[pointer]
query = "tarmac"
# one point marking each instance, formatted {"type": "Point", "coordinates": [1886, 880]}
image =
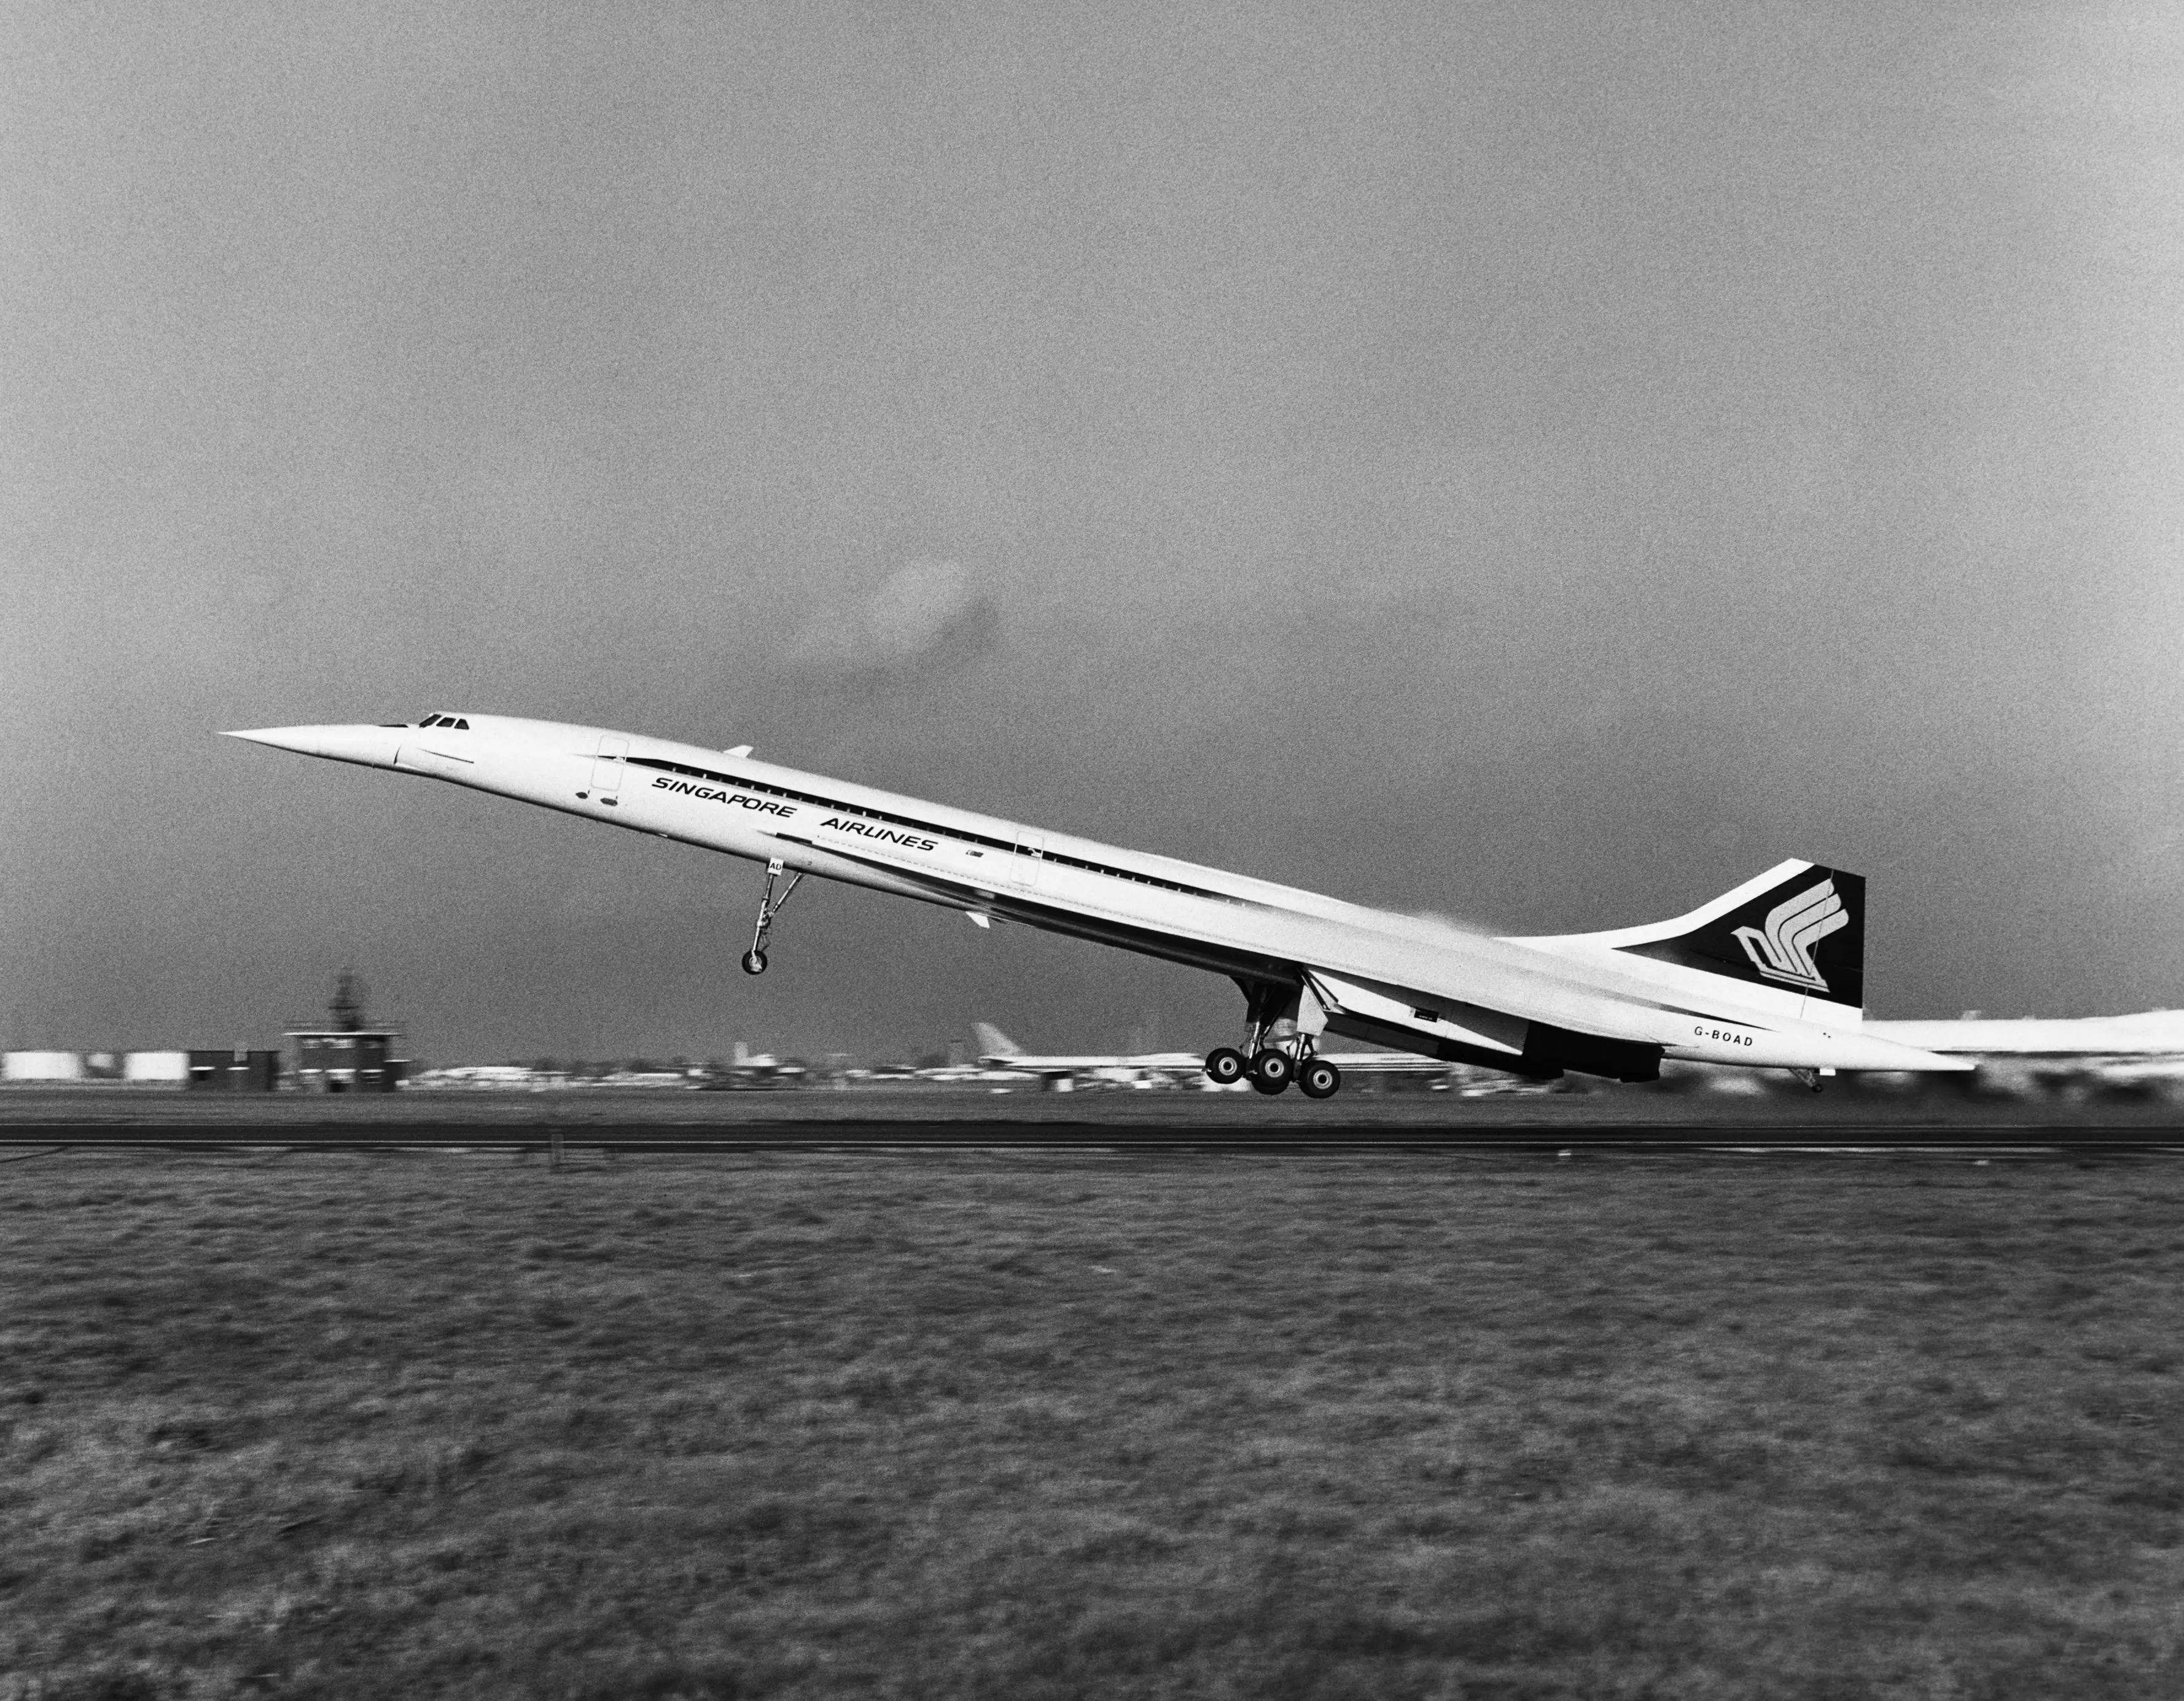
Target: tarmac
{"type": "Point", "coordinates": [640, 1119]}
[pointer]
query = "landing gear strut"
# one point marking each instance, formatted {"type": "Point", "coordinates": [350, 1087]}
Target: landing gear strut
{"type": "Point", "coordinates": [769, 906]}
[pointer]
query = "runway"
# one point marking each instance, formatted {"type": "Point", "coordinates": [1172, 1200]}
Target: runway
{"type": "Point", "coordinates": [925, 1137]}
{"type": "Point", "coordinates": [669, 1120]}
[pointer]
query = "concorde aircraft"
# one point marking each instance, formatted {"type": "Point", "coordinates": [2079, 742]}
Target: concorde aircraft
{"type": "Point", "coordinates": [1768, 974]}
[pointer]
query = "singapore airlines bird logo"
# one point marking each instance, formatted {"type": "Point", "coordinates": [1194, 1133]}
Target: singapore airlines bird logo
{"type": "Point", "coordinates": [1782, 950]}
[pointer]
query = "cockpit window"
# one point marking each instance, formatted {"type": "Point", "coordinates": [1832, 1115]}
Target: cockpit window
{"type": "Point", "coordinates": [462, 726]}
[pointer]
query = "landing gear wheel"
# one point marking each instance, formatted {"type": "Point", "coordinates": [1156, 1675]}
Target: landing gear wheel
{"type": "Point", "coordinates": [1225, 1065]}
{"type": "Point", "coordinates": [753, 962]}
{"type": "Point", "coordinates": [1319, 1079]}
{"type": "Point", "coordinates": [1271, 1071]}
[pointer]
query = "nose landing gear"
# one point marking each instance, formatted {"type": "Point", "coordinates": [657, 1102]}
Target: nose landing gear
{"type": "Point", "coordinates": [769, 906]}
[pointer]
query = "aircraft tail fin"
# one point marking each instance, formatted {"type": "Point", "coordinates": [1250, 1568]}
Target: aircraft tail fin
{"type": "Point", "coordinates": [1797, 928]}
{"type": "Point", "coordinates": [993, 1042]}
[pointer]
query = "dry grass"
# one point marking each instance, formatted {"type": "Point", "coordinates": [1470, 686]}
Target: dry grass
{"type": "Point", "coordinates": [972, 1427]}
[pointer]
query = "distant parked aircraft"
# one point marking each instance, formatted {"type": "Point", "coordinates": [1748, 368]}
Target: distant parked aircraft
{"type": "Point", "coordinates": [1769, 974]}
{"type": "Point", "coordinates": [996, 1050]}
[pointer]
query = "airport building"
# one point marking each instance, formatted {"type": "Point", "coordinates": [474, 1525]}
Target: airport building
{"type": "Point", "coordinates": [163, 1068]}
{"type": "Point", "coordinates": [42, 1065]}
{"type": "Point", "coordinates": [347, 1053]}
{"type": "Point", "coordinates": [346, 1059]}
{"type": "Point", "coordinates": [227, 1070]}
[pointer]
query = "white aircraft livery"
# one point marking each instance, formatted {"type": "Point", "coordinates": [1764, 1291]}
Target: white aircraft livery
{"type": "Point", "coordinates": [1769, 974]}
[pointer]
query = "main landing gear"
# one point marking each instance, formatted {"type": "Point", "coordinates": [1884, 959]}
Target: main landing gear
{"type": "Point", "coordinates": [1269, 1069]}
{"type": "Point", "coordinates": [1272, 1065]}
{"type": "Point", "coordinates": [769, 906]}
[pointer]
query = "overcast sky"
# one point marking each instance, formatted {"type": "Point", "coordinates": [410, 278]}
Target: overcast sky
{"type": "Point", "coordinates": [1540, 464]}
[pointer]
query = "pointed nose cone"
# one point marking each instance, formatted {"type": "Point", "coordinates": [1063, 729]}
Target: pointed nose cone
{"type": "Point", "coordinates": [373, 746]}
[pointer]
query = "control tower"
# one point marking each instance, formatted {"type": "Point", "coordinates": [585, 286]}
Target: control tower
{"type": "Point", "coordinates": [348, 1052]}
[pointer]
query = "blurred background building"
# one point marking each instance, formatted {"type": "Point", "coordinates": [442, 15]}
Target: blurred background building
{"type": "Point", "coordinates": [162, 1068]}
{"type": "Point", "coordinates": [42, 1065]}
{"type": "Point", "coordinates": [226, 1070]}
{"type": "Point", "coordinates": [348, 1052]}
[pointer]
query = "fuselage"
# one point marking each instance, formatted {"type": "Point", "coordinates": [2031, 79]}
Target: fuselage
{"type": "Point", "coordinates": [1389, 977]}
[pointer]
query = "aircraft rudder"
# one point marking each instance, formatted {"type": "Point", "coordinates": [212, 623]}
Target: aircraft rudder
{"type": "Point", "coordinates": [993, 1042]}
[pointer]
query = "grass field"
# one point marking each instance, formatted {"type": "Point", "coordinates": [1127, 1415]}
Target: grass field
{"type": "Point", "coordinates": [977, 1425]}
